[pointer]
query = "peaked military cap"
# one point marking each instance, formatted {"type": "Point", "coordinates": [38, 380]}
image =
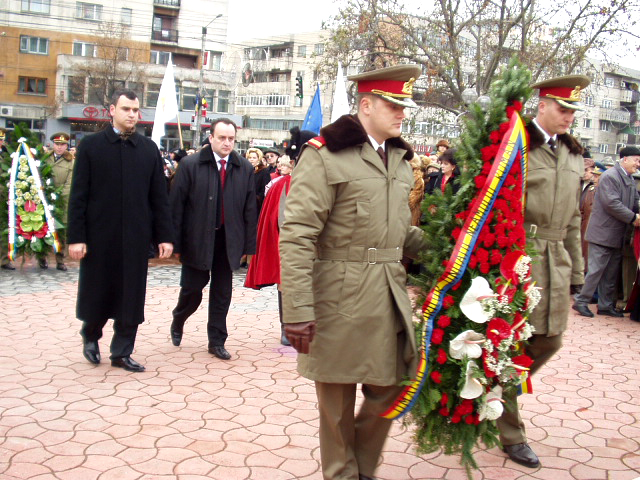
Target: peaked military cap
{"type": "Point", "coordinates": [565, 90]}
{"type": "Point", "coordinates": [60, 137]}
{"type": "Point", "coordinates": [394, 84]}
{"type": "Point", "coordinates": [3, 133]}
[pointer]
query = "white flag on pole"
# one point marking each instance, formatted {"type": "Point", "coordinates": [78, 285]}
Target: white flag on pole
{"type": "Point", "coordinates": [167, 106]}
{"type": "Point", "coordinates": [340, 100]}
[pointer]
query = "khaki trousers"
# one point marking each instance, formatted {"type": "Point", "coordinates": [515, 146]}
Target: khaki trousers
{"type": "Point", "coordinates": [541, 348]}
{"type": "Point", "coordinates": [350, 445]}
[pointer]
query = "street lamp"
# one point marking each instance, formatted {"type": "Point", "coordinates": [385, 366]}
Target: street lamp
{"type": "Point", "coordinates": [200, 95]}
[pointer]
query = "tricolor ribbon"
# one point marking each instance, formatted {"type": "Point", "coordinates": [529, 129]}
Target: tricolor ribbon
{"type": "Point", "coordinates": [23, 149]}
{"type": "Point", "coordinates": [514, 142]}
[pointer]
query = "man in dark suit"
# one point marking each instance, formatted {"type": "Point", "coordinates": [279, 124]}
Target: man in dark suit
{"type": "Point", "coordinates": [264, 176]}
{"type": "Point", "coordinates": [615, 209]}
{"type": "Point", "coordinates": [213, 204]}
{"type": "Point", "coordinates": [118, 206]}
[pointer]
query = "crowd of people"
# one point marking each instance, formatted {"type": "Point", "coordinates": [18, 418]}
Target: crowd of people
{"type": "Point", "coordinates": [336, 238]}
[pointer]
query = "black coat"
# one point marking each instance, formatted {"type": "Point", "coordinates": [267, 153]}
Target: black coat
{"type": "Point", "coordinates": [195, 209]}
{"type": "Point", "coordinates": [118, 205]}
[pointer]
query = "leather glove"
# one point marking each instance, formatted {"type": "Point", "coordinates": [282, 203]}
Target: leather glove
{"type": "Point", "coordinates": [300, 335]}
{"type": "Point", "coordinates": [575, 289]}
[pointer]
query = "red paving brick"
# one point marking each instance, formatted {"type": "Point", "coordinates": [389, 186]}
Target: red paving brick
{"type": "Point", "coordinates": [191, 416]}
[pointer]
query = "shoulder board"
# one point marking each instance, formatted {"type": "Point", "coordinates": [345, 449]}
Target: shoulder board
{"type": "Point", "coordinates": [317, 142]}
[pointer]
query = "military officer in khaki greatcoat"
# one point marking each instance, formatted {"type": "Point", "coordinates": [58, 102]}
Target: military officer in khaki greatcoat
{"type": "Point", "coordinates": [62, 171]}
{"type": "Point", "coordinates": [552, 222]}
{"type": "Point", "coordinates": [345, 304]}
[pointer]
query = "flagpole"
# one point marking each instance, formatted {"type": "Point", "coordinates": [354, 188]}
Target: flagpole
{"type": "Point", "coordinates": [180, 131]}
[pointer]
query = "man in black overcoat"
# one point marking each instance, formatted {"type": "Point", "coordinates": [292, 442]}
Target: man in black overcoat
{"type": "Point", "coordinates": [118, 206]}
{"type": "Point", "coordinates": [213, 205]}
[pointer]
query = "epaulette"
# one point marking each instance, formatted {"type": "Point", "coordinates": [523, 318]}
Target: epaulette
{"type": "Point", "coordinates": [317, 142]}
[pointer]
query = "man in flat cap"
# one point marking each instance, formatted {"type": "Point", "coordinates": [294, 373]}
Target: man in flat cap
{"type": "Point", "coordinates": [62, 170]}
{"type": "Point", "coordinates": [346, 308]}
{"type": "Point", "coordinates": [615, 212]}
{"type": "Point", "coordinates": [552, 222]}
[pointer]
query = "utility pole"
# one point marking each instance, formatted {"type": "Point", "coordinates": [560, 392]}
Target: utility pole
{"type": "Point", "coordinates": [200, 95]}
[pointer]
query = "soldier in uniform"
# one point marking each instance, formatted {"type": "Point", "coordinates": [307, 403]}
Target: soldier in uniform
{"type": "Point", "coordinates": [6, 263]}
{"type": "Point", "coordinates": [552, 222]}
{"type": "Point", "coordinates": [62, 172]}
{"type": "Point", "coordinates": [347, 225]}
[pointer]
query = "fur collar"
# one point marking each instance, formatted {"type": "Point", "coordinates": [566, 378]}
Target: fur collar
{"type": "Point", "coordinates": [536, 139]}
{"type": "Point", "coordinates": [347, 132]}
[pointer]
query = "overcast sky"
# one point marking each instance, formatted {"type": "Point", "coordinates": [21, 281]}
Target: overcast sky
{"type": "Point", "coordinates": [268, 18]}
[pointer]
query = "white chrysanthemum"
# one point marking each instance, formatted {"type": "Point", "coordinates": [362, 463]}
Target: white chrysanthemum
{"type": "Point", "coordinates": [472, 386]}
{"type": "Point", "coordinates": [466, 344]}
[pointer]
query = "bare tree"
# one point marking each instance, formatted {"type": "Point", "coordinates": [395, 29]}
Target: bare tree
{"type": "Point", "coordinates": [117, 61]}
{"type": "Point", "coordinates": [462, 43]}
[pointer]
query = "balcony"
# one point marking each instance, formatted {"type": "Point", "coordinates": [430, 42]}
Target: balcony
{"type": "Point", "coordinates": [630, 96]}
{"type": "Point", "coordinates": [162, 36]}
{"type": "Point", "coordinates": [618, 116]}
{"type": "Point", "coordinates": [167, 3]}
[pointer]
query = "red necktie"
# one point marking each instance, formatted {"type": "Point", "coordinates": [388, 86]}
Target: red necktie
{"type": "Point", "coordinates": [223, 172]}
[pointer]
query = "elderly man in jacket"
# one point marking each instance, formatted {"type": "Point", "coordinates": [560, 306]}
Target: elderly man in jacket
{"type": "Point", "coordinates": [552, 222]}
{"type": "Point", "coordinates": [345, 304]}
{"type": "Point", "coordinates": [615, 209]}
{"type": "Point", "coordinates": [213, 207]}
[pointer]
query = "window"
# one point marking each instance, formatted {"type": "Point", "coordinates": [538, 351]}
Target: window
{"type": "Point", "coordinates": [586, 123]}
{"type": "Point", "coordinates": [88, 11]}
{"type": "Point", "coordinates": [302, 50]}
{"type": "Point", "coordinates": [223, 101]}
{"type": "Point", "coordinates": [588, 100]}
{"type": "Point", "coordinates": [606, 103]}
{"type": "Point", "coordinates": [213, 60]}
{"type": "Point", "coordinates": [605, 126]}
{"type": "Point", "coordinates": [319, 49]}
{"type": "Point", "coordinates": [189, 98]}
{"type": "Point", "coordinates": [159, 58]}
{"type": "Point", "coordinates": [34, 45]}
{"type": "Point", "coordinates": [163, 29]}
{"type": "Point", "coordinates": [122, 53]}
{"type": "Point", "coordinates": [604, 148]}
{"type": "Point", "coordinates": [75, 90]}
{"type": "Point", "coordinates": [125, 17]}
{"type": "Point", "coordinates": [36, 6]}
{"type": "Point", "coordinates": [83, 49]}
{"type": "Point", "coordinates": [136, 87]}
{"type": "Point", "coordinates": [608, 81]}
{"type": "Point", "coordinates": [31, 85]}
{"type": "Point", "coordinates": [153, 90]}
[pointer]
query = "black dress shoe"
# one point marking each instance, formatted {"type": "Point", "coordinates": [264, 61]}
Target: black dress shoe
{"type": "Point", "coordinates": [128, 364]}
{"type": "Point", "coordinates": [611, 312]}
{"type": "Point", "coordinates": [91, 352]}
{"type": "Point", "coordinates": [582, 310]}
{"type": "Point", "coordinates": [62, 267]}
{"type": "Point", "coordinates": [43, 264]}
{"type": "Point", "coordinates": [8, 266]}
{"type": "Point", "coordinates": [220, 352]}
{"type": "Point", "coordinates": [521, 453]}
{"type": "Point", "coordinates": [176, 334]}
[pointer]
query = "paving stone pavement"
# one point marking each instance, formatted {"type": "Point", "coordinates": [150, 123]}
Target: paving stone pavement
{"type": "Point", "coordinates": [191, 416]}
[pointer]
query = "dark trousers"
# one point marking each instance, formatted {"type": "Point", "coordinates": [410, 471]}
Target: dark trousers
{"type": "Point", "coordinates": [124, 336]}
{"type": "Point", "coordinates": [193, 281]}
{"type": "Point", "coordinates": [604, 268]}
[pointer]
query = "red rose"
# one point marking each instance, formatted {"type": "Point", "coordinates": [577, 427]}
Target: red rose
{"type": "Point", "coordinates": [489, 152]}
{"type": "Point", "coordinates": [455, 233]}
{"type": "Point", "coordinates": [444, 321]}
{"type": "Point", "coordinates": [476, 420]}
{"type": "Point", "coordinates": [448, 301]}
{"type": "Point", "coordinates": [482, 255]}
{"type": "Point", "coordinates": [480, 180]}
{"type": "Point", "coordinates": [489, 240]}
{"type": "Point", "coordinates": [436, 377]}
{"type": "Point", "coordinates": [510, 111]}
{"type": "Point", "coordinates": [503, 241]}
{"type": "Point", "coordinates": [444, 412]}
{"type": "Point", "coordinates": [496, 257]}
{"type": "Point", "coordinates": [517, 105]}
{"type": "Point", "coordinates": [437, 336]}
{"type": "Point", "coordinates": [504, 127]}
{"type": "Point", "coordinates": [455, 419]}
{"type": "Point", "coordinates": [468, 419]}
{"type": "Point", "coordinates": [486, 168]}
{"type": "Point", "coordinates": [485, 268]}
{"type": "Point", "coordinates": [442, 357]}
{"type": "Point", "coordinates": [473, 262]}
{"type": "Point", "coordinates": [444, 399]}
{"type": "Point", "coordinates": [456, 286]}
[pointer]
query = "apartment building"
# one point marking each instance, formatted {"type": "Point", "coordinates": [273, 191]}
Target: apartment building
{"type": "Point", "coordinates": [61, 60]}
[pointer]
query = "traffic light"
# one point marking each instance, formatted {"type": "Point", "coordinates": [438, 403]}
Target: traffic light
{"type": "Point", "coordinates": [299, 92]}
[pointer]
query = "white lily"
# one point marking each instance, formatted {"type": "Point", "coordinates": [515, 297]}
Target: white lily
{"type": "Point", "coordinates": [492, 408]}
{"type": "Point", "coordinates": [471, 304]}
{"type": "Point", "coordinates": [472, 386]}
{"type": "Point", "coordinates": [467, 343]}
